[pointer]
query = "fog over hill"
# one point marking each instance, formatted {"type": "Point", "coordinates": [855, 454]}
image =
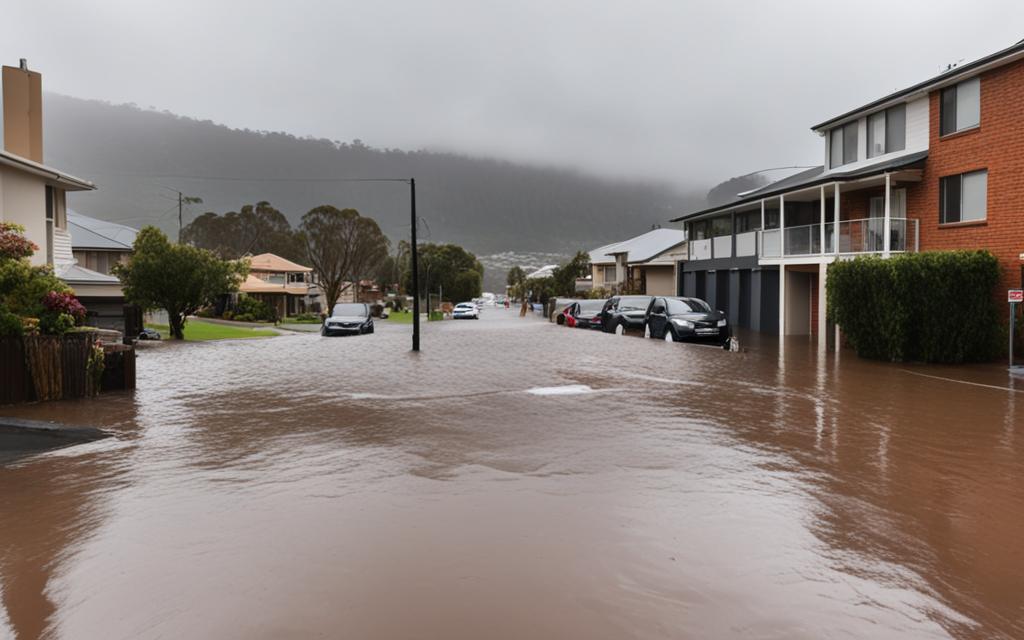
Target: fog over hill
{"type": "Point", "coordinates": [139, 157]}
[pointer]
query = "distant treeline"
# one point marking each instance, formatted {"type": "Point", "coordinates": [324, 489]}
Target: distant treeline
{"type": "Point", "coordinates": [140, 157]}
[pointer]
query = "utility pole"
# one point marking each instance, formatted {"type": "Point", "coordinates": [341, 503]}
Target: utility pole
{"type": "Point", "coordinates": [179, 217]}
{"type": "Point", "coordinates": [415, 271]}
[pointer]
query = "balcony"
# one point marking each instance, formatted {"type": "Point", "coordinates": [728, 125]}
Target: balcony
{"type": "Point", "coordinates": [700, 249]}
{"type": "Point", "coordinates": [866, 235]}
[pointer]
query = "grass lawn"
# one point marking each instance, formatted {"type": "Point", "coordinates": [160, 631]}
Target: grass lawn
{"type": "Point", "coordinates": [400, 317]}
{"type": "Point", "coordinates": [196, 331]}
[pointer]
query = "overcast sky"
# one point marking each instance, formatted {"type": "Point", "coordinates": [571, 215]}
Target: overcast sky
{"type": "Point", "coordinates": [689, 91]}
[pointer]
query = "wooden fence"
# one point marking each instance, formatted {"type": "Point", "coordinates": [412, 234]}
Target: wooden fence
{"type": "Point", "coordinates": [66, 375]}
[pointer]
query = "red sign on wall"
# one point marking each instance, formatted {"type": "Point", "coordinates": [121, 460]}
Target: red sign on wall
{"type": "Point", "coordinates": [1015, 295]}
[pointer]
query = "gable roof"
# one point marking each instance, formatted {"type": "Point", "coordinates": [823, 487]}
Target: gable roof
{"type": "Point", "coordinates": [950, 76]}
{"type": "Point", "coordinates": [272, 262]}
{"type": "Point", "coordinates": [93, 233]}
{"type": "Point", "coordinates": [640, 248]}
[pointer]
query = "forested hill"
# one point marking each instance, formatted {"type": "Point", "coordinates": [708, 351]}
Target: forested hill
{"type": "Point", "coordinates": [138, 156]}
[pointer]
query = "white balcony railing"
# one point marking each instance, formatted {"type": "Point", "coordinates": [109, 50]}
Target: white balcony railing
{"type": "Point", "coordinates": [866, 235]}
{"type": "Point", "coordinates": [746, 244]}
{"type": "Point", "coordinates": [723, 247]}
{"type": "Point", "coordinates": [700, 249]}
{"type": "Point", "coordinates": [771, 246]}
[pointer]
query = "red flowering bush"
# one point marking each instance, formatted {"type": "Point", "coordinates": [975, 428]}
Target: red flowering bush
{"type": "Point", "coordinates": [61, 313]}
{"type": "Point", "coordinates": [13, 243]}
{"type": "Point", "coordinates": [58, 302]}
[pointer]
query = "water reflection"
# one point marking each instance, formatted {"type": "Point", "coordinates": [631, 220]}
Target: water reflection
{"type": "Point", "coordinates": [301, 487]}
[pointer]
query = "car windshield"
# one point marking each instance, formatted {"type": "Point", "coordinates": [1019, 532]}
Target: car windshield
{"type": "Point", "coordinates": [691, 305]}
{"type": "Point", "coordinates": [464, 305]}
{"type": "Point", "coordinates": [349, 310]}
{"type": "Point", "coordinates": [591, 306]}
{"type": "Point", "coordinates": [634, 303]}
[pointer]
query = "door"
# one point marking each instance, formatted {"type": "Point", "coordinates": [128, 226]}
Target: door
{"type": "Point", "coordinates": [657, 320]}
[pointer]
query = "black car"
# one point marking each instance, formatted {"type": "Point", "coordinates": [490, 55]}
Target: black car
{"type": "Point", "coordinates": [624, 313]}
{"type": "Point", "coordinates": [585, 314]}
{"type": "Point", "coordinates": [678, 319]}
{"type": "Point", "coordinates": [348, 318]}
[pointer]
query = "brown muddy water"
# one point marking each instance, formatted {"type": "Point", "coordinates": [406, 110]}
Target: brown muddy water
{"type": "Point", "coordinates": [521, 480]}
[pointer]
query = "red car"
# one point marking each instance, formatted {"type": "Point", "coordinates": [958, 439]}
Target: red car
{"type": "Point", "coordinates": [584, 314]}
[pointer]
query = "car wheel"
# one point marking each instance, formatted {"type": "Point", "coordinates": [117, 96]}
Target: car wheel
{"type": "Point", "coordinates": [669, 337]}
{"type": "Point", "coordinates": [620, 329]}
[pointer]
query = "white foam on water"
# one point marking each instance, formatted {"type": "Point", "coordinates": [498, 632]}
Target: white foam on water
{"type": "Point", "coordinates": [566, 390]}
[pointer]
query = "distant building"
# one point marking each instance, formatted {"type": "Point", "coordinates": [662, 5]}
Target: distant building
{"type": "Point", "coordinates": [646, 263]}
{"type": "Point", "coordinates": [288, 287]}
{"type": "Point", "coordinates": [544, 272]}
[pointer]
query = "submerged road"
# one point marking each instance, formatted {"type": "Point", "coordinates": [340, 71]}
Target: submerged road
{"type": "Point", "coordinates": [518, 479]}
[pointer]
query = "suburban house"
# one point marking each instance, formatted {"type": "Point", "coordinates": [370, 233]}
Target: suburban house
{"type": "Point", "coordinates": [934, 166]}
{"type": "Point", "coordinates": [96, 246]}
{"type": "Point", "coordinates": [34, 196]}
{"type": "Point", "coordinates": [646, 263]}
{"type": "Point", "coordinates": [286, 286]}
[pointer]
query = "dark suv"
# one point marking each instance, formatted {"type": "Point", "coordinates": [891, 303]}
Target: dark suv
{"type": "Point", "coordinates": [624, 313]}
{"type": "Point", "coordinates": [678, 319]}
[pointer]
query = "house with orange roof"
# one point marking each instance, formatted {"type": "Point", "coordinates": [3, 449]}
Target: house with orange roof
{"type": "Point", "coordinates": [288, 287]}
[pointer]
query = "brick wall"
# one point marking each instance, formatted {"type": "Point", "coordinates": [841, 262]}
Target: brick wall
{"type": "Point", "coordinates": [996, 145]}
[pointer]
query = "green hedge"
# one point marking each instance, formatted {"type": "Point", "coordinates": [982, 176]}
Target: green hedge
{"type": "Point", "coordinates": [936, 306]}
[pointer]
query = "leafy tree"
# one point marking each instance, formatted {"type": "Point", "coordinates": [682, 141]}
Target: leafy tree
{"type": "Point", "coordinates": [391, 269]}
{"type": "Point", "coordinates": [449, 267]}
{"type": "Point", "coordinates": [564, 276]}
{"type": "Point", "coordinates": [341, 246]}
{"type": "Point", "coordinates": [253, 229]}
{"type": "Point", "coordinates": [178, 278]}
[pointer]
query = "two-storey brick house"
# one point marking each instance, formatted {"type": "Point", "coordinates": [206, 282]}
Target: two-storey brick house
{"type": "Point", "coordinates": [934, 166]}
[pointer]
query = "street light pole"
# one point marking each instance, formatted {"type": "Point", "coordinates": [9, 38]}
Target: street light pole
{"type": "Point", "coordinates": [415, 271]}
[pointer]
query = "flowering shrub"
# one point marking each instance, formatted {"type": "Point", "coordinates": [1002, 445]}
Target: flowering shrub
{"type": "Point", "coordinates": [13, 243]}
{"type": "Point", "coordinates": [61, 302]}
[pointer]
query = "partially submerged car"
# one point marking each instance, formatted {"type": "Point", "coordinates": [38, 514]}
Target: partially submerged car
{"type": "Point", "coordinates": [624, 313]}
{"type": "Point", "coordinates": [584, 314]}
{"type": "Point", "coordinates": [678, 319]}
{"type": "Point", "coordinates": [351, 318]}
{"type": "Point", "coordinates": [466, 311]}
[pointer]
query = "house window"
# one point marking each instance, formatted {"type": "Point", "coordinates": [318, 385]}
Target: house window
{"type": "Point", "coordinates": [699, 230]}
{"type": "Point", "coordinates": [850, 143]}
{"type": "Point", "coordinates": [721, 227]}
{"type": "Point", "coordinates": [609, 274]}
{"type": "Point", "coordinates": [749, 221]}
{"type": "Point", "coordinates": [843, 145]}
{"type": "Point", "coordinates": [836, 148]}
{"type": "Point", "coordinates": [960, 107]}
{"type": "Point", "coordinates": [887, 131]}
{"type": "Point", "coordinates": [963, 198]}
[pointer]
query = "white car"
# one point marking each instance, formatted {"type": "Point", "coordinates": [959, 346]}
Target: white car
{"type": "Point", "coordinates": [465, 311]}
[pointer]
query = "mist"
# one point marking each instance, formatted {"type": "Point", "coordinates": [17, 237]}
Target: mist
{"type": "Point", "coordinates": [692, 93]}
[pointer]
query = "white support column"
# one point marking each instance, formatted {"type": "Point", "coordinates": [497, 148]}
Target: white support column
{"type": "Point", "coordinates": [821, 196]}
{"type": "Point", "coordinates": [760, 234]}
{"type": "Point", "coordinates": [782, 226]}
{"type": "Point", "coordinates": [887, 227]}
{"type": "Point", "coordinates": [835, 217]}
{"type": "Point", "coordinates": [782, 302]}
{"type": "Point", "coordinates": [822, 308]}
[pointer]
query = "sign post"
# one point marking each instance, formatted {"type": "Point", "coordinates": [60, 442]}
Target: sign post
{"type": "Point", "coordinates": [1014, 297]}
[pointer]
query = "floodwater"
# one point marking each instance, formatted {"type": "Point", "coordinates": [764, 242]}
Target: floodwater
{"type": "Point", "coordinates": [521, 480]}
